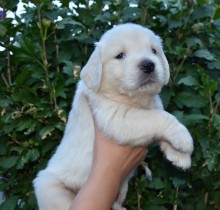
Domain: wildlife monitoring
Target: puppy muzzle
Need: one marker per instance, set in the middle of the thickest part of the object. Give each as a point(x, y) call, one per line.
point(147, 66)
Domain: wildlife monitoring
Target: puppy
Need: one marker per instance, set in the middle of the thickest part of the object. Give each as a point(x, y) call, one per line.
point(119, 90)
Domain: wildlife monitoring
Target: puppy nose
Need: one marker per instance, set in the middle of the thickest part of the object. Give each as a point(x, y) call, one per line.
point(147, 66)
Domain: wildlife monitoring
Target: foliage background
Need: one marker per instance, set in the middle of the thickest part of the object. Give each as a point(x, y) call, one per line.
point(39, 67)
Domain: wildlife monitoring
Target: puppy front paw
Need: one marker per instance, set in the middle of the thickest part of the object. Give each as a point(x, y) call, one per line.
point(179, 159)
point(179, 138)
point(177, 143)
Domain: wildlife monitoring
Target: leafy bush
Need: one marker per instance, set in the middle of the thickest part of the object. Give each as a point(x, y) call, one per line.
point(40, 62)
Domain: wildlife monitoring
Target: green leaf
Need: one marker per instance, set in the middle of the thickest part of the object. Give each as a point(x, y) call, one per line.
point(190, 100)
point(3, 30)
point(25, 95)
point(65, 2)
point(31, 128)
point(27, 50)
point(5, 102)
point(8, 162)
point(195, 118)
point(166, 96)
point(10, 203)
point(179, 115)
point(177, 182)
point(175, 24)
point(214, 65)
point(217, 22)
point(48, 146)
point(188, 81)
point(212, 161)
point(68, 68)
point(157, 184)
point(22, 77)
point(68, 21)
point(162, 19)
point(103, 17)
point(64, 56)
point(193, 41)
point(23, 57)
point(217, 13)
point(217, 96)
point(217, 121)
point(24, 124)
point(46, 131)
point(3, 149)
point(32, 155)
point(130, 13)
point(216, 197)
point(10, 4)
point(204, 53)
point(203, 11)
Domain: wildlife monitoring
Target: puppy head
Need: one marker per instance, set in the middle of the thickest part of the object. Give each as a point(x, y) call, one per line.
point(128, 58)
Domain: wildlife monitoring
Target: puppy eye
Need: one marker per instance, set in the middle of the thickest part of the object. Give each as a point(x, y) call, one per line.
point(154, 51)
point(120, 56)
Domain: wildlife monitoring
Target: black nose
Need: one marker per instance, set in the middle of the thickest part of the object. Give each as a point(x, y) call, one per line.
point(147, 66)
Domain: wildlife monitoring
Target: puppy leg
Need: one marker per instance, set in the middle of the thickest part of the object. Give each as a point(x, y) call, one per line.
point(140, 127)
point(121, 196)
point(51, 193)
point(150, 124)
point(147, 171)
point(123, 192)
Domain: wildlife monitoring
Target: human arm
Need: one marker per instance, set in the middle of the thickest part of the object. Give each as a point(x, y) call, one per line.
point(111, 163)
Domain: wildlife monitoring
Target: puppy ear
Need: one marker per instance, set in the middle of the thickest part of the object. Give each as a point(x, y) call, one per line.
point(92, 72)
point(165, 63)
point(166, 69)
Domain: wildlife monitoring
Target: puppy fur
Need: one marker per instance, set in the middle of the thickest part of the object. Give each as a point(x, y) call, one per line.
point(118, 90)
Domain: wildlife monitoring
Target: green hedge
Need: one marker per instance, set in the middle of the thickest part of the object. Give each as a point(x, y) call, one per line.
point(39, 66)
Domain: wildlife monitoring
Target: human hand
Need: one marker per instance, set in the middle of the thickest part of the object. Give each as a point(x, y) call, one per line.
point(111, 158)
point(111, 163)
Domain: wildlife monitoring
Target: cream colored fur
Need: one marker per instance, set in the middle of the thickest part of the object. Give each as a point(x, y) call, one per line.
point(124, 102)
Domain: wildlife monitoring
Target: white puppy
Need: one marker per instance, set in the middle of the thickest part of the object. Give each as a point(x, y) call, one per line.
point(119, 89)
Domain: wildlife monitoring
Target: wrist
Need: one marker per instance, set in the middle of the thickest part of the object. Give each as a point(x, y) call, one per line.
point(101, 186)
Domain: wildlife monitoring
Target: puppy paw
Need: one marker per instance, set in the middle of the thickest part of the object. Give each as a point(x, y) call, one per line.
point(147, 171)
point(179, 159)
point(117, 206)
point(179, 138)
